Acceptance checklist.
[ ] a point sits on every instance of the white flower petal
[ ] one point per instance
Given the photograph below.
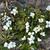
(39, 40)
(29, 33)
(29, 39)
(32, 14)
(42, 33)
(32, 37)
(27, 26)
(10, 28)
(41, 20)
(32, 33)
(47, 26)
(24, 38)
(9, 46)
(7, 24)
(48, 8)
(8, 18)
(27, 23)
(14, 11)
(5, 44)
(5, 27)
(31, 42)
(27, 30)
(2, 14)
(47, 22)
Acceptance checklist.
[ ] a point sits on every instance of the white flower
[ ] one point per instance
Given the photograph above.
(37, 29)
(14, 11)
(41, 20)
(31, 42)
(27, 27)
(24, 38)
(24, 9)
(31, 39)
(32, 14)
(42, 16)
(39, 40)
(7, 24)
(7, 18)
(11, 45)
(2, 14)
(42, 33)
(27, 23)
(5, 27)
(48, 8)
(31, 33)
(5, 44)
(7, 21)
(10, 28)
(47, 24)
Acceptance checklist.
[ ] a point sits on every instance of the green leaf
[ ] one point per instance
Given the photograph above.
(3, 48)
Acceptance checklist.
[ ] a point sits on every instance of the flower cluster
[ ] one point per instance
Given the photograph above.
(14, 11)
(27, 27)
(6, 22)
(10, 45)
(31, 38)
(37, 29)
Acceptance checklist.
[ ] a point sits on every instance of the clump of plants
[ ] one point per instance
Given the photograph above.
(24, 28)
